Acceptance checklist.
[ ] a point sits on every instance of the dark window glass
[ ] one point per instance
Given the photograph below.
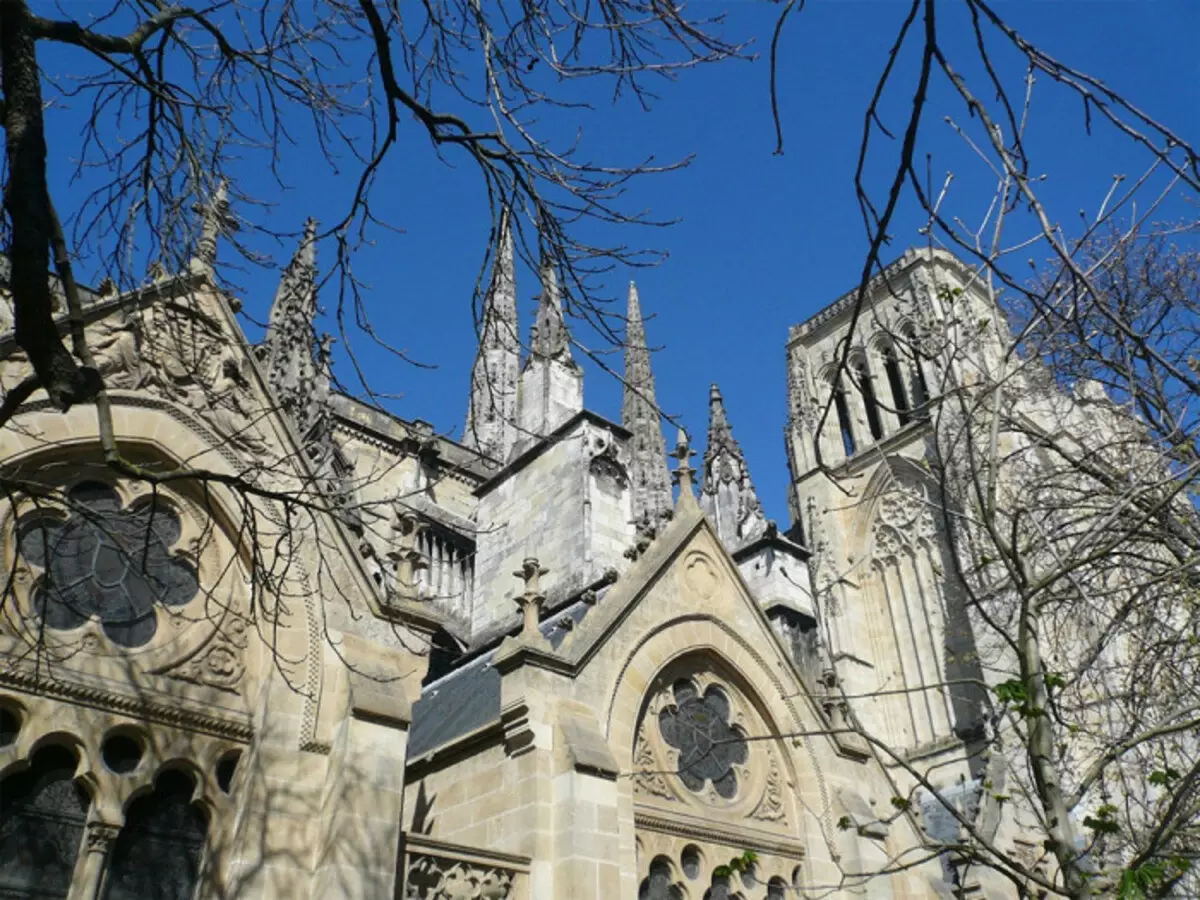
(690, 861)
(121, 753)
(105, 561)
(867, 387)
(843, 416)
(896, 383)
(920, 390)
(42, 813)
(157, 854)
(10, 726)
(709, 746)
(776, 889)
(657, 884)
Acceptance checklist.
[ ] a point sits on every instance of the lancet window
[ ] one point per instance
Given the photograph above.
(45, 837)
(845, 425)
(891, 367)
(866, 387)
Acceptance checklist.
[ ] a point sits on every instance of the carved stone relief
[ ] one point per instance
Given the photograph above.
(430, 877)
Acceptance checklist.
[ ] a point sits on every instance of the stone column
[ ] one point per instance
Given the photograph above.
(98, 840)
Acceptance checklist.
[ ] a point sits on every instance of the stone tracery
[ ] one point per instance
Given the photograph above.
(116, 564)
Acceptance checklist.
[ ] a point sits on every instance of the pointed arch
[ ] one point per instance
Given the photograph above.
(43, 811)
(920, 633)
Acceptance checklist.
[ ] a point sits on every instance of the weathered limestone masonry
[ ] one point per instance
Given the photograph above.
(512, 667)
(567, 496)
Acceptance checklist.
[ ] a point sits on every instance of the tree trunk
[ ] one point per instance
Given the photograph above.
(31, 217)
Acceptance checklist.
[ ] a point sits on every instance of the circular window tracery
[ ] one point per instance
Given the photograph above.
(105, 561)
(699, 727)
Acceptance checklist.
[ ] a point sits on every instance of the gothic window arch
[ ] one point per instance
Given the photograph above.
(920, 388)
(42, 816)
(158, 854)
(891, 368)
(866, 387)
(845, 424)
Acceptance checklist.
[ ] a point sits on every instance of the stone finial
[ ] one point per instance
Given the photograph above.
(648, 474)
(727, 494)
(215, 221)
(491, 425)
(532, 600)
(684, 472)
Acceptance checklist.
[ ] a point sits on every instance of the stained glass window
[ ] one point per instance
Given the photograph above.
(709, 746)
(42, 814)
(157, 855)
(106, 561)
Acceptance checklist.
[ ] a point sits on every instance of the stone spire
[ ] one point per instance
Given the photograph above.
(550, 339)
(550, 390)
(648, 475)
(215, 221)
(492, 412)
(727, 494)
(289, 353)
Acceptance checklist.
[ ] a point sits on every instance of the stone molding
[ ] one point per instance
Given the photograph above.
(440, 870)
(709, 830)
(168, 711)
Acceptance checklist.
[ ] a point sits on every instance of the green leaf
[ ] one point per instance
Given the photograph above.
(1164, 777)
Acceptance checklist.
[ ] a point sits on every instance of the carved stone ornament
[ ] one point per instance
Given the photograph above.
(904, 517)
(441, 878)
(100, 836)
(700, 575)
(220, 663)
(647, 778)
(186, 357)
(770, 808)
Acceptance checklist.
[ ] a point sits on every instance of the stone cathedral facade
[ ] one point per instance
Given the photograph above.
(293, 646)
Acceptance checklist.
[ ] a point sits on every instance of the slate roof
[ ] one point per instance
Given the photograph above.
(469, 697)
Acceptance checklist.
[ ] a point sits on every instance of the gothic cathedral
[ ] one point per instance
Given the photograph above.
(288, 645)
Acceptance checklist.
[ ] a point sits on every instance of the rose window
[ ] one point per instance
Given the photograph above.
(698, 726)
(107, 562)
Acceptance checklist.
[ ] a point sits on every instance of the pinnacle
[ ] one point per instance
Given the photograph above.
(549, 337)
(640, 414)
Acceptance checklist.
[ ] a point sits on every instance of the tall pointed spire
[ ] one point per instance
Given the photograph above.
(648, 474)
(727, 494)
(492, 412)
(550, 389)
(290, 348)
(550, 338)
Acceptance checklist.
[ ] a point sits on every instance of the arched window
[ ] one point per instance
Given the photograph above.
(920, 390)
(658, 883)
(157, 855)
(891, 368)
(843, 415)
(42, 814)
(867, 387)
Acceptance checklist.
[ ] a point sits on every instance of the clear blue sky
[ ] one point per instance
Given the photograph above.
(764, 241)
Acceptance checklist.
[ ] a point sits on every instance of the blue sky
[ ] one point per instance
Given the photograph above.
(764, 241)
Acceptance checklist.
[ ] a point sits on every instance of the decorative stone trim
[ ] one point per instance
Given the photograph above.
(165, 712)
(438, 870)
(709, 830)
